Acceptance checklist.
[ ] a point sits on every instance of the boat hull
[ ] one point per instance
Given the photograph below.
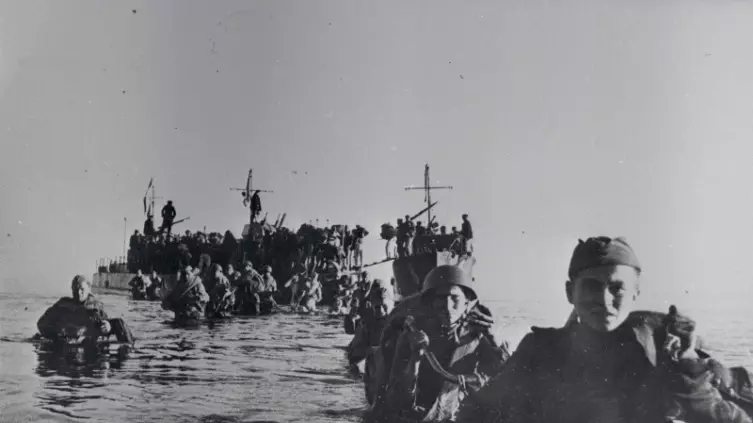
(117, 283)
(411, 271)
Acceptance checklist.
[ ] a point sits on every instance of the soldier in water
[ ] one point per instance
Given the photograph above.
(81, 318)
(436, 348)
(611, 363)
(379, 304)
(188, 299)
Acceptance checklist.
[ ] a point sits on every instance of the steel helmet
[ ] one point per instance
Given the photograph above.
(446, 276)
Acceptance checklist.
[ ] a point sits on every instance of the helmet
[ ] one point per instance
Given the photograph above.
(447, 275)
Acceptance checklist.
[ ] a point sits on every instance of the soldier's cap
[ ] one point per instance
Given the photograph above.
(80, 280)
(602, 251)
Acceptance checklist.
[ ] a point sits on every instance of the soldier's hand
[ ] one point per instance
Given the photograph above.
(682, 341)
(418, 340)
(480, 319)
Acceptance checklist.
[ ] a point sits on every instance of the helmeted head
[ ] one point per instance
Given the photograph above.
(267, 269)
(81, 287)
(448, 289)
(603, 282)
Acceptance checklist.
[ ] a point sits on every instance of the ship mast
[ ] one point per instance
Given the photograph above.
(427, 192)
(247, 194)
(152, 195)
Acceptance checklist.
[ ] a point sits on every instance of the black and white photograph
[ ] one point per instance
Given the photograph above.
(330, 211)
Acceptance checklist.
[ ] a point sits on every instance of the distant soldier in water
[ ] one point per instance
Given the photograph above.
(379, 304)
(357, 303)
(251, 290)
(81, 319)
(188, 299)
(168, 215)
(155, 288)
(312, 294)
(221, 295)
(233, 275)
(611, 363)
(139, 285)
(297, 284)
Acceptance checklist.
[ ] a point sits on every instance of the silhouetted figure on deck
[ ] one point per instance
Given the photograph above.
(168, 215)
(467, 231)
(149, 226)
(255, 206)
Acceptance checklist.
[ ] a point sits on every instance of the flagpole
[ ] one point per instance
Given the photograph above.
(125, 221)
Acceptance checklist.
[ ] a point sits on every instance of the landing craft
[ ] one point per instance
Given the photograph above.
(429, 251)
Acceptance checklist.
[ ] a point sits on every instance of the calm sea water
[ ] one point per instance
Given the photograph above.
(282, 368)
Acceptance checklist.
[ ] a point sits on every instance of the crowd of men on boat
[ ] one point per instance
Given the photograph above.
(410, 237)
(265, 243)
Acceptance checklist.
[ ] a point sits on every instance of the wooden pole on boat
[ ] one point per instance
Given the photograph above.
(427, 191)
(125, 222)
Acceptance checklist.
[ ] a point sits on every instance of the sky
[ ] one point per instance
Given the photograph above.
(552, 121)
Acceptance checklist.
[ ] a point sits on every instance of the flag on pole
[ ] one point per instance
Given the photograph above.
(151, 182)
(247, 193)
(427, 183)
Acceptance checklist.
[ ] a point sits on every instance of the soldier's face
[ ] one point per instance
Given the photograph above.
(603, 297)
(81, 292)
(450, 304)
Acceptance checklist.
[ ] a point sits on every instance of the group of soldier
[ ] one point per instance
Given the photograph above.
(438, 356)
(408, 238)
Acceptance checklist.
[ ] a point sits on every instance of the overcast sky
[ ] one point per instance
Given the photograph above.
(552, 120)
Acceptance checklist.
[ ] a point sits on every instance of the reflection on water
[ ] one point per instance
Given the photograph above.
(278, 368)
